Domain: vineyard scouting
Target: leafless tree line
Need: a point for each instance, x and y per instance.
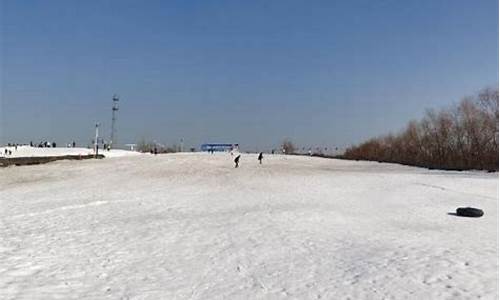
(148, 146)
(461, 137)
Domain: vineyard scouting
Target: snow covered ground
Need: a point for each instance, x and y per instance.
(27, 151)
(191, 226)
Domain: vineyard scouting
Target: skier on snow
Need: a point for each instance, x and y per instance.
(237, 161)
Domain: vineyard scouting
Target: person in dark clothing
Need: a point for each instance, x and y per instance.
(74, 144)
(156, 151)
(237, 161)
(53, 144)
(261, 156)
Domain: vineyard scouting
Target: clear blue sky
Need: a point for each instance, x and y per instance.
(320, 72)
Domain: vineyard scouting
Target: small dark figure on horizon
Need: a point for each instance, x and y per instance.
(261, 156)
(237, 161)
(74, 144)
(156, 151)
(53, 144)
(31, 143)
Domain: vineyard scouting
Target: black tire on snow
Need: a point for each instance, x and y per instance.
(469, 212)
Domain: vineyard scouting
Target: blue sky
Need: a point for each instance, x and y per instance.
(323, 73)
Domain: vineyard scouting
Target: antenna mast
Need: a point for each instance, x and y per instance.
(113, 120)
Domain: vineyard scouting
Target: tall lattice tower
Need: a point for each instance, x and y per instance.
(113, 121)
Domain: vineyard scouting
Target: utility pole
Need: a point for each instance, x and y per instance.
(113, 119)
(96, 140)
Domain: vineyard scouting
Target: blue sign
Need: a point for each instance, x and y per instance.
(218, 147)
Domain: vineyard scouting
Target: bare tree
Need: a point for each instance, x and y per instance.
(288, 146)
(464, 136)
(144, 146)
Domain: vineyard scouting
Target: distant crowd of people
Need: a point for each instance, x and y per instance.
(42, 144)
(45, 144)
(7, 151)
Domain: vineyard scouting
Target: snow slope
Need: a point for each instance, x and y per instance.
(191, 226)
(27, 151)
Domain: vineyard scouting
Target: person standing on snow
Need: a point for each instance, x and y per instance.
(237, 161)
(261, 156)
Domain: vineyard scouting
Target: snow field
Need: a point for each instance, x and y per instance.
(190, 226)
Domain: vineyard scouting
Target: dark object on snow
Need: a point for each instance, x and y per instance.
(237, 161)
(261, 156)
(469, 212)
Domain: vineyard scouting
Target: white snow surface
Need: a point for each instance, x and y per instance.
(191, 226)
(27, 151)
